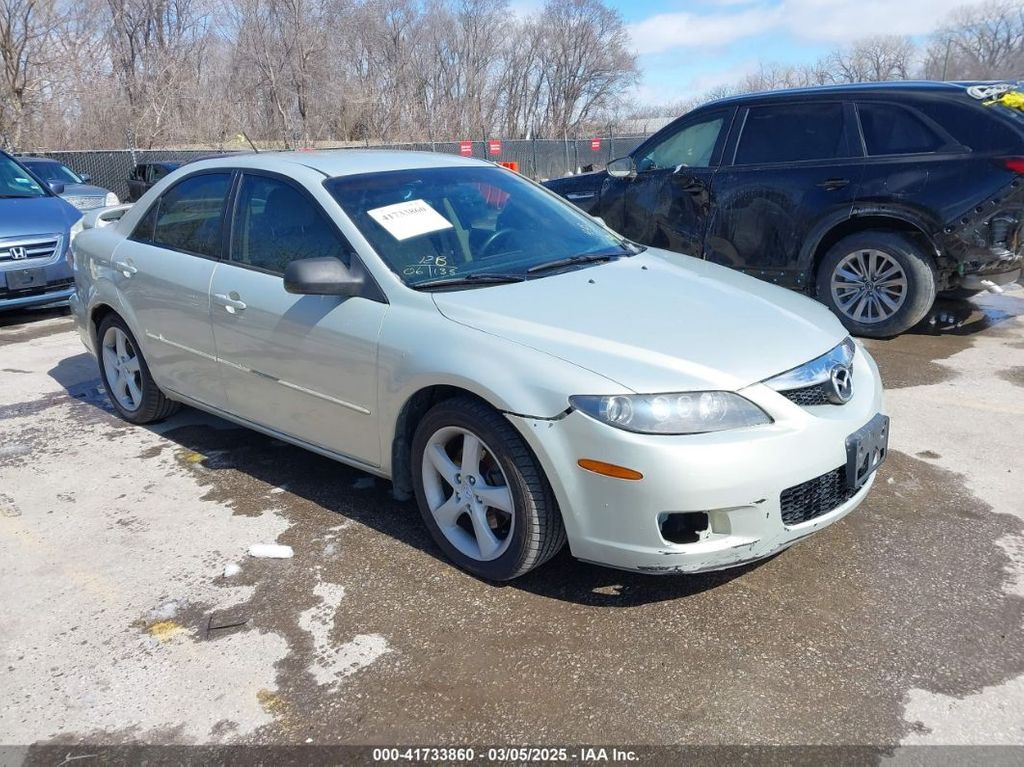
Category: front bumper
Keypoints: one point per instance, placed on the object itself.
(735, 477)
(40, 298)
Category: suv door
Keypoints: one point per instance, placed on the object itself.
(913, 163)
(305, 366)
(793, 169)
(163, 271)
(667, 202)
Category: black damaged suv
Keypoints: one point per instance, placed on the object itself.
(873, 198)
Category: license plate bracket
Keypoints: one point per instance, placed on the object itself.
(24, 279)
(866, 450)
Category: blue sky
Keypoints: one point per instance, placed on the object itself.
(687, 48)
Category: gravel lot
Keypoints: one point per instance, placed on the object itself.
(899, 625)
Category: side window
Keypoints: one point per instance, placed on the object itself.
(189, 215)
(693, 146)
(971, 124)
(891, 129)
(143, 231)
(793, 132)
(276, 224)
(156, 172)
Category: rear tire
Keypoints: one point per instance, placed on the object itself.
(126, 377)
(879, 284)
(464, 455)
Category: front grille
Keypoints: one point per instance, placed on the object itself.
(34, 250)
(86, 202)
(809, 395)
(815, 497)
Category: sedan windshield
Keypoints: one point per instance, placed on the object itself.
(53, 171)
(471, 226)
(15, 182)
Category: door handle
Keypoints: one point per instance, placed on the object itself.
(833, 184)
(580, 195)
(231, 303)
(127, 268)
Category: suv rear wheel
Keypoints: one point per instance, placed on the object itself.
(878, 283)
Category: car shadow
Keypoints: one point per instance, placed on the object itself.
(240, 464)
(15, 317)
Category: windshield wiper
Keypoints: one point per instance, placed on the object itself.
(18, 196)
(583, 258)
(470, 279)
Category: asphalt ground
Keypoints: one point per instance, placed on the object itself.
(899, 625)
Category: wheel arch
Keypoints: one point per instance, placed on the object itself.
(97, 314)
(834, 231)
(409, 417)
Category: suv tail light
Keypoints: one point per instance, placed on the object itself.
(1015, 164)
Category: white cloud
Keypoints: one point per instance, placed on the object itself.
(666, 31)
(829, 21)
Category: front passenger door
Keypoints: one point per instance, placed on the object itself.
(667, 203)
(305, 366)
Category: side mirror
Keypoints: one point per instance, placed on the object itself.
(622, 168)
(56, 187)
(86, 178)
(323, 277)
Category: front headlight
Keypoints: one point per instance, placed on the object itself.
(111, 200)
(681, 413)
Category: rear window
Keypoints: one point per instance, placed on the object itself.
(890, 129)
(983, 129)
(793, 133)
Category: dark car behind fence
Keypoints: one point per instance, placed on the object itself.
(536, 158)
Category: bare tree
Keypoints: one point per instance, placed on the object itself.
(26, 29)
(979, 42)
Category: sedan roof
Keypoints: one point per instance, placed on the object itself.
(343, 162)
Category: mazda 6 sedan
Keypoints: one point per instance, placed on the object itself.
(527, 374)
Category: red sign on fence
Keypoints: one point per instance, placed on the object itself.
(494, 146)
(466, 148)
(595, 144)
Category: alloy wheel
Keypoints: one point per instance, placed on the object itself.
(468, 494)
(122, 369)
(869, 286)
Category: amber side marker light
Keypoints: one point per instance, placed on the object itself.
(609, 469)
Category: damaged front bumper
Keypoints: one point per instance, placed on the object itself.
(732, 482)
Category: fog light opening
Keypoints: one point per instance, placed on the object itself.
(683, 527)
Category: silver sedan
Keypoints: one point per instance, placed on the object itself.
(528, 375)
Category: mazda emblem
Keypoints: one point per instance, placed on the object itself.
(841, 379)
(18, 252)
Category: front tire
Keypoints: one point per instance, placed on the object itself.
(879, 284)
(126, 377)
(482, 494)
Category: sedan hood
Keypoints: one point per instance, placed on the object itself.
(656, 322)
(36, 215)
(85, 190)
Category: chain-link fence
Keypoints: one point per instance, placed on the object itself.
(536, 158)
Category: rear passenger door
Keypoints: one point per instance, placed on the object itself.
(791, 169)
(917, 167)
(305, 366)
(163, 272)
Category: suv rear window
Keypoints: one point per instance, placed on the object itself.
(975, 126)
(793, 132)
(891, 129)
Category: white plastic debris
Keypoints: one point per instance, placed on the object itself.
(164, 612)
(271, 551)
(231, 570)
